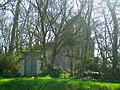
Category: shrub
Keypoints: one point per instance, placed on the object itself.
(3, 63)
(7, 66)
(65, 75)
(95, 75)
(54, 71)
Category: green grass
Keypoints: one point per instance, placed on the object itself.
(46, 83)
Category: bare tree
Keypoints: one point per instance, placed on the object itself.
(15, 25)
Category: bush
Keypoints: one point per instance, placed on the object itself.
(43, 74)
(54, 71)
(65, 75)
(7, 66)
(10, 73)
(3, 63)
(95, 75)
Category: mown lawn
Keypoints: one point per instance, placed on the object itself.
(46, 83)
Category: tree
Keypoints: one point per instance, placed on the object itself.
(115, 34)
(15, 25)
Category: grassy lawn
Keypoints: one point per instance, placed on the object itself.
(46, 83)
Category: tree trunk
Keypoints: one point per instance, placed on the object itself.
(115, 34)
(15, 25)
